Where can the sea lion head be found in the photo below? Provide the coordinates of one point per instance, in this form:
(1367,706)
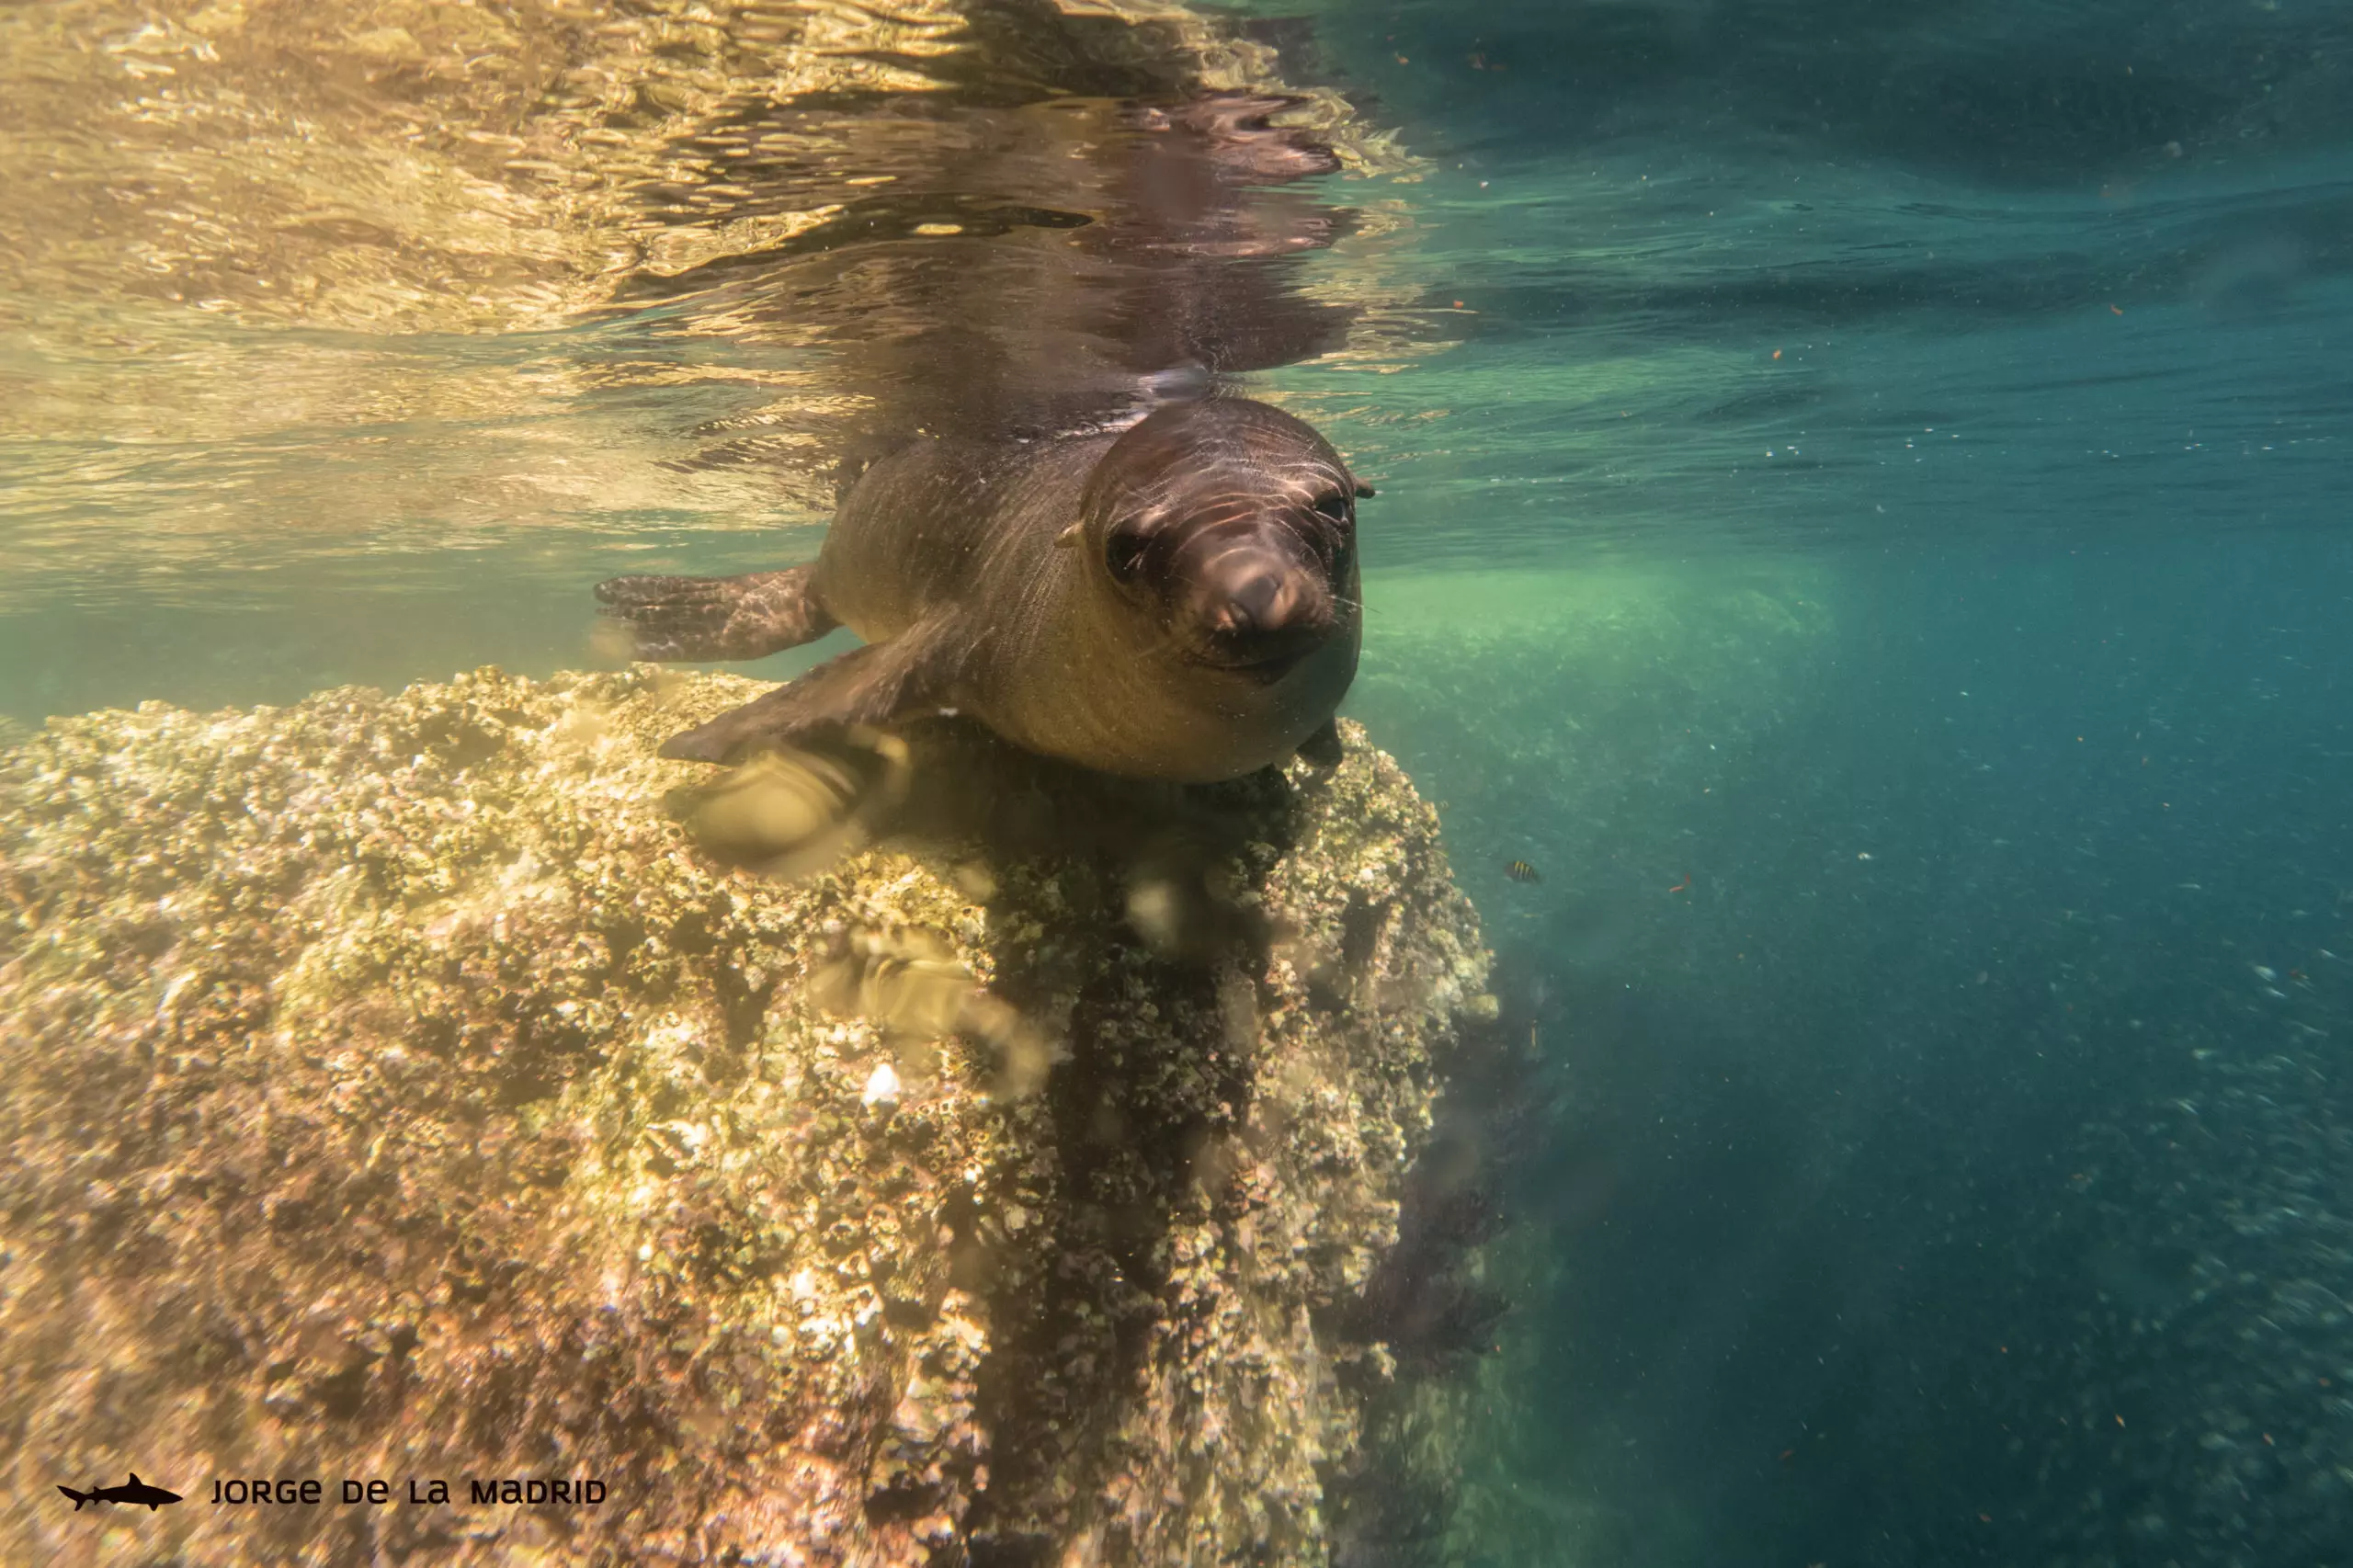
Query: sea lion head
(1232,526)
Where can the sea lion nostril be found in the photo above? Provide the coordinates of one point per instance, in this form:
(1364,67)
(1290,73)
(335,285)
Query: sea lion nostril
(1255,604)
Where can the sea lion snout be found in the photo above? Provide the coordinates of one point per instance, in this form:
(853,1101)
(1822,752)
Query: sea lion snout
(1260,607)
(1266,600)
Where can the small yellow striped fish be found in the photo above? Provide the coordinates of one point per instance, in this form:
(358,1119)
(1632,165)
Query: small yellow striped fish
(1521,871)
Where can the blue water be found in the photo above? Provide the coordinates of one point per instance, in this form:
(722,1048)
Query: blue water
(1931,437)
(1863,511)
(1901,1169)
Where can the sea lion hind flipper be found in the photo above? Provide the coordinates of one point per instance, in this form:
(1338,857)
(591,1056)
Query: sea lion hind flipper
(748,617)
(1323,748)
(910,674)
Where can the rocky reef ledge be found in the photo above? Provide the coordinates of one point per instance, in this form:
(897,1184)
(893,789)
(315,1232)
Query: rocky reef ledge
(390,1089)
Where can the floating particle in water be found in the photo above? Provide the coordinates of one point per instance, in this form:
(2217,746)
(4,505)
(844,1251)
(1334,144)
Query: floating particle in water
(910,984)
(1154,909)
(907,981)
(1023,1055)
(792,812)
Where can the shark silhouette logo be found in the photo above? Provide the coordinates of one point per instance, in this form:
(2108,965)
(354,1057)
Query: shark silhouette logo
(133,1491)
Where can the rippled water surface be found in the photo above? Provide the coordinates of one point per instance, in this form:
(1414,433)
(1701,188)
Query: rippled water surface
(1862,511)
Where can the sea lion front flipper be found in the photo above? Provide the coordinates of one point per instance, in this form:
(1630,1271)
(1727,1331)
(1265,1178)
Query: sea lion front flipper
(914,673)
(1323,748)
(748,617)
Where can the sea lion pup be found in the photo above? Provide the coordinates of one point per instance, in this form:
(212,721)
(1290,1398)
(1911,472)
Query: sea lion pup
(1176,601)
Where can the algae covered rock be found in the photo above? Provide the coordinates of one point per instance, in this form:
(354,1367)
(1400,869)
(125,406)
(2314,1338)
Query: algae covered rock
(389,1089)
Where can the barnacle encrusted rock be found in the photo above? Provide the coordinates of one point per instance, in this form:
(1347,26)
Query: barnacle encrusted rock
(389,1089)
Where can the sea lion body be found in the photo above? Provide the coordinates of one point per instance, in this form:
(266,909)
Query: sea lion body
(1177,601)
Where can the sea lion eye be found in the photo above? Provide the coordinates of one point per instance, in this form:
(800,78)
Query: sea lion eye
(1123,552)
(1339,509)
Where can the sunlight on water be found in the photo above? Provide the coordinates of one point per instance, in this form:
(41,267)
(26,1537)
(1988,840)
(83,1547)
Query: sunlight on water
(289,291)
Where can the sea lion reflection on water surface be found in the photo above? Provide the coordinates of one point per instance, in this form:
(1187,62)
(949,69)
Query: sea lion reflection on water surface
(1176,601)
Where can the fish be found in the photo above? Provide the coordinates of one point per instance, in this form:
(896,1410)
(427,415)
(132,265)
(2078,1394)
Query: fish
(1521,871)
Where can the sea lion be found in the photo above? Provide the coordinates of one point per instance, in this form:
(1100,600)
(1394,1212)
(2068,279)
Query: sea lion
(1174,601)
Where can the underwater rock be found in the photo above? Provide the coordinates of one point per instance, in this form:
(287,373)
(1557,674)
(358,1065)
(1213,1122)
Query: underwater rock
(391,1090)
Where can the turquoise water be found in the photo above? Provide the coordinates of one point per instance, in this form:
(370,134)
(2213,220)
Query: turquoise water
(1862,511)
(1911,461)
